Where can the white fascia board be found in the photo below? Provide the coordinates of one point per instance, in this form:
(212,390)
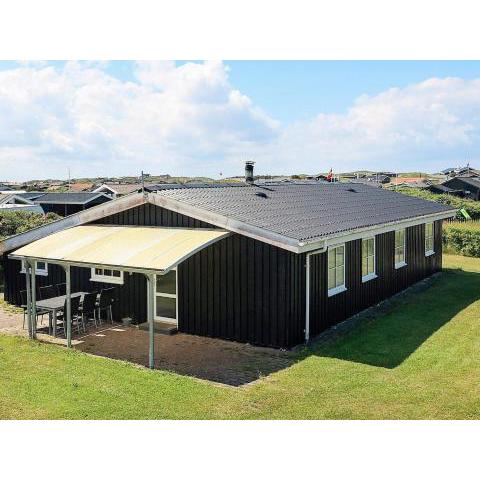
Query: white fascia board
(85,216)
(376,230)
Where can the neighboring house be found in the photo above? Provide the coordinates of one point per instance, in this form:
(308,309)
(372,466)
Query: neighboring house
(269,265)
(470,186)
(118,189)
(440,188)
(379,178)
(14,203)
(68,203)
(81,187)
(366,181)
(407,180)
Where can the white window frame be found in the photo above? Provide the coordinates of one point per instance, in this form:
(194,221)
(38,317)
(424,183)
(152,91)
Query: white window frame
(371,275)
(403,263)
(339,288)
(38,271)
(431,251)
(173,321)
(95,277)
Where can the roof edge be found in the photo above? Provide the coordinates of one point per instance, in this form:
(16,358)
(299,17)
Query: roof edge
(221,221)
(350,235)
(80,218)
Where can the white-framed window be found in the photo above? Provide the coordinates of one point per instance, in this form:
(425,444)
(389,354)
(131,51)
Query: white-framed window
(400,248)
(106,275)
(429,230)
(166,297)
(41,268)
(336,270)
(368,259)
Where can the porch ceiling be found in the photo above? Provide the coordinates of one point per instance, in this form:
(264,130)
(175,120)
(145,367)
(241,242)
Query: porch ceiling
(129,248)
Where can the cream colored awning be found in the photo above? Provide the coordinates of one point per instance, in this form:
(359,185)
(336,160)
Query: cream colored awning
(128,248)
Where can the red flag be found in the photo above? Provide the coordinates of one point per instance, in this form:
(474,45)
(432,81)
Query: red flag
(330,176)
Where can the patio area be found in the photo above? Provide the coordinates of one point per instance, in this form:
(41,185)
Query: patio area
(211,359)
(220,361)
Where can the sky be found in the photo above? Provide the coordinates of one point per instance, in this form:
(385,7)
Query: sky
(193,118)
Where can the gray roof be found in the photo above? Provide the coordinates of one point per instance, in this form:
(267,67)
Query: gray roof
(31,195)
(306,212)
(473,181)
(80,198)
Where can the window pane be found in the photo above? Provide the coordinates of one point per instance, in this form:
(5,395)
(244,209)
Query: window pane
(116,273)
(339,277)
(364,266)
(98,271)
(331,278)
(370,246)
(41,265)
(339,257)
(167,283)
(331,258)
(370,265)
(107,272)
(166,307)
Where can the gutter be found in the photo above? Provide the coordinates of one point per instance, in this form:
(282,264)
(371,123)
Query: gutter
(307,290)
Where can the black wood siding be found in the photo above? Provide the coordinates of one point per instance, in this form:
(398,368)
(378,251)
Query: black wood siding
(327,311)
(244,290)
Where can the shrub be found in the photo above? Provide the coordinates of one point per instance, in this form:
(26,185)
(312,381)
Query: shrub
(471,206)
(12,223)
(462,238)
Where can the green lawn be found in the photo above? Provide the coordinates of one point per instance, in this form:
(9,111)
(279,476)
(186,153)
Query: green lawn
(421,360)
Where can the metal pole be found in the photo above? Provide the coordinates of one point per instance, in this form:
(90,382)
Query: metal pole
(69,306)
(29,298)
(151,315)
(34,300)
(307,299)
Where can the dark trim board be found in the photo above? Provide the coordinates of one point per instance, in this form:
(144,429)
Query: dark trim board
(246,290)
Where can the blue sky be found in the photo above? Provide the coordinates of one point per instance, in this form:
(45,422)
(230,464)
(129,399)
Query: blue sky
(194,118)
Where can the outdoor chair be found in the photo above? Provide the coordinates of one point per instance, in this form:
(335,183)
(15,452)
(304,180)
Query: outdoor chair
(105,303)
(23,306)
(47,292)
(76,316)
(88,309)
(61,289)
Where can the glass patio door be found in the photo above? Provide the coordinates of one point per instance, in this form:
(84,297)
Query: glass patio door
(166,297)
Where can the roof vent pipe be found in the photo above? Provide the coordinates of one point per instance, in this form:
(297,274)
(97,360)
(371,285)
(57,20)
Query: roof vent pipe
(249,171)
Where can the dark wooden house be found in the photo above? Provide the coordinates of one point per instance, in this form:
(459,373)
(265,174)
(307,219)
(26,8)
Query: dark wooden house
(68,203)
(291,261)
(470,186)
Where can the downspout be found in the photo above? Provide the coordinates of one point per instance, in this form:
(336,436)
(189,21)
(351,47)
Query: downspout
(307,290)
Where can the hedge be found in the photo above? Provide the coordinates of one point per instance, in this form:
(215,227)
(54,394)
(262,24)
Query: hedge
(471,206)
(462,238)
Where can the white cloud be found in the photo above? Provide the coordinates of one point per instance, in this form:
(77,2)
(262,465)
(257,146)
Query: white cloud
(190,120)
(422,126)
(180,120)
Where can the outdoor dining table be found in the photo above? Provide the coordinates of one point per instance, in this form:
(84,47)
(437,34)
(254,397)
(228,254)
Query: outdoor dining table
(54,305)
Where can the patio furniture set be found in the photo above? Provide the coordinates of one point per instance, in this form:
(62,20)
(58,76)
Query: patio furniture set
(86,308)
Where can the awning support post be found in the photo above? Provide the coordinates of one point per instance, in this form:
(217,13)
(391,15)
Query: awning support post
(34,301)
(29,298)
(69,306)
(151,318)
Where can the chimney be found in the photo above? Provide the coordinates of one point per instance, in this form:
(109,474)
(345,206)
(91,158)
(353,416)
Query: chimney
(249,171)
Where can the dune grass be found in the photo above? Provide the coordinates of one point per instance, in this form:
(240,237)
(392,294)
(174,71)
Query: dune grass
(419,360)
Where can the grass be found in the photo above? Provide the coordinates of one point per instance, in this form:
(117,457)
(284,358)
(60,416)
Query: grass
(419,360)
